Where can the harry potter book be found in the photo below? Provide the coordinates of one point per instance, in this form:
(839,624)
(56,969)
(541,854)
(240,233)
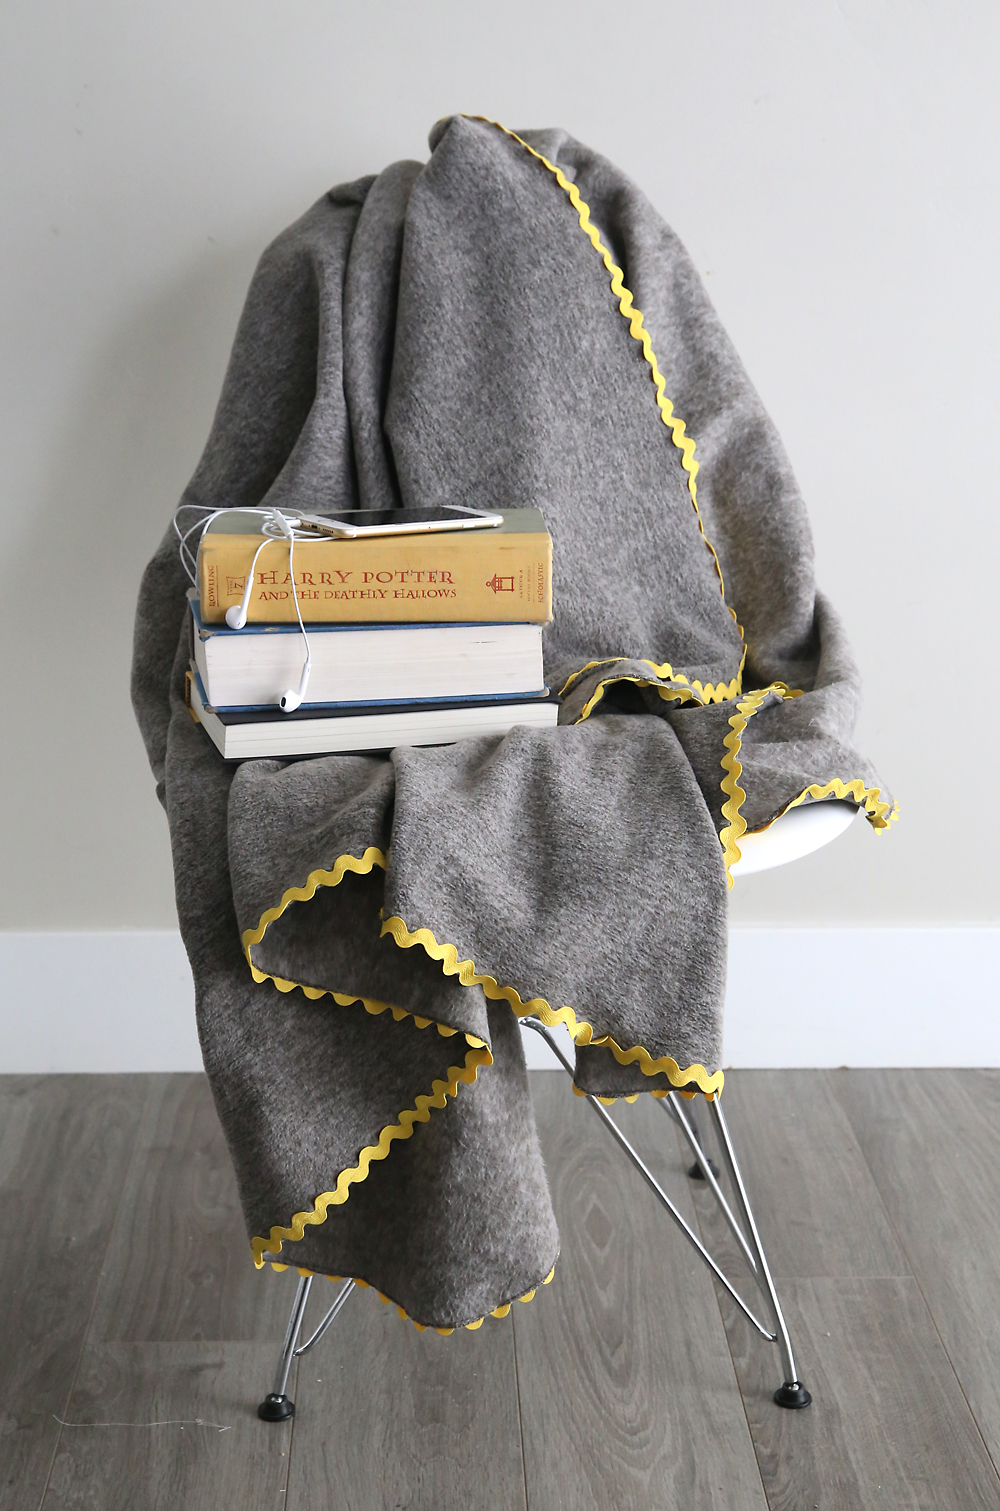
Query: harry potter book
(485,576)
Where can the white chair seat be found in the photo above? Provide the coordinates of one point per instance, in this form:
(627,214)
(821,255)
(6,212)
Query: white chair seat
(798,832)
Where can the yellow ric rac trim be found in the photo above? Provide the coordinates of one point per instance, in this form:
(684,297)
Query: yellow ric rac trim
(637,330)
(581,1031)
(666,671)
(689,1096)
(421,1327)
(420,1113)
(876,809)
(692,692)
(361,865)
(871,797)
(668,694)
(702,692)
(477,1056)
(332,878)
(731,765)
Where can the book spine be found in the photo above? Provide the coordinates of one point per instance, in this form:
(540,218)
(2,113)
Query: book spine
(450,577)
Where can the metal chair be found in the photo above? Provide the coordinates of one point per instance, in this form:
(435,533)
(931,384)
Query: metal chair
(797,833)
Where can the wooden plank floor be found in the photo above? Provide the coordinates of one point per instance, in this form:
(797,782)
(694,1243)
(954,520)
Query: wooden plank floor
(891,1424)
(127,1296)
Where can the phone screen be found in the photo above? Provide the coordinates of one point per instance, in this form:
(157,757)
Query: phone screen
(365,518)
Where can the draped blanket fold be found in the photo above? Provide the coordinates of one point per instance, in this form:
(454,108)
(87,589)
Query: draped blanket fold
(510,324)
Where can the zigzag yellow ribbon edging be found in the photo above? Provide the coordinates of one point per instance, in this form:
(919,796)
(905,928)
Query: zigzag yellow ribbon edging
(581,1031)
(371,1005)
(440,1092)
(871,797)
(691,692)
(668,694)
(477,1056)
(360,865)
(332,878)
(421,1327)
(875,808)
(731,765)
(684,443)
(447,954)
(702,692)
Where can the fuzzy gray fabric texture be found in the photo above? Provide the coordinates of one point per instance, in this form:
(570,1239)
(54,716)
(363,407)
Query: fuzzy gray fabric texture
(364,931)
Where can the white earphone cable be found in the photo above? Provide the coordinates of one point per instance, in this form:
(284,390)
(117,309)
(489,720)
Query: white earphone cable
(277,526)
(288,704)
(295,600)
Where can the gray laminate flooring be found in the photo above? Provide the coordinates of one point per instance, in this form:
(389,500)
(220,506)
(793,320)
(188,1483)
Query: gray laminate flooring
(127,1296)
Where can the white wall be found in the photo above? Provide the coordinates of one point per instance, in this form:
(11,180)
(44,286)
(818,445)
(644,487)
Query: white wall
(833,169)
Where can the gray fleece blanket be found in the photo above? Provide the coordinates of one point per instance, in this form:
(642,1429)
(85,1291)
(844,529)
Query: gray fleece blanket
(365,931)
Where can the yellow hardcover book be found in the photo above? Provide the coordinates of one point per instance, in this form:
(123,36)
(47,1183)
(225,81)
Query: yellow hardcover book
(503,574)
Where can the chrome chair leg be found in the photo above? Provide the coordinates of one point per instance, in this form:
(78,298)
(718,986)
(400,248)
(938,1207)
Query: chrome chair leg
(276,1407)
(707,1170)
(791,1393)
(695,1171)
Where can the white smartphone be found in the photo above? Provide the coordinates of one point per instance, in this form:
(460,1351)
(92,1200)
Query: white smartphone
(352,523)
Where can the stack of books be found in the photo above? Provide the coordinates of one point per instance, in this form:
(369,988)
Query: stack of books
(418,639)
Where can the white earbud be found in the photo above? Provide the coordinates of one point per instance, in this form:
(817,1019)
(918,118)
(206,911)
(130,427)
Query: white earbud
(236,617)
(278,525)
(290,700)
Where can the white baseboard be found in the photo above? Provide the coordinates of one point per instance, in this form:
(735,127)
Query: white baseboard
(107,1002)
(115,1002)
(862,997)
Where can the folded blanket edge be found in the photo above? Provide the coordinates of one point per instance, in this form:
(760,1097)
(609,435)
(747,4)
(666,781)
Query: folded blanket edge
(422,1327)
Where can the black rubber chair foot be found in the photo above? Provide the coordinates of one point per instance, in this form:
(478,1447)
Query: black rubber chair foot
(277,1408)
(793,1395)
(695,1171)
